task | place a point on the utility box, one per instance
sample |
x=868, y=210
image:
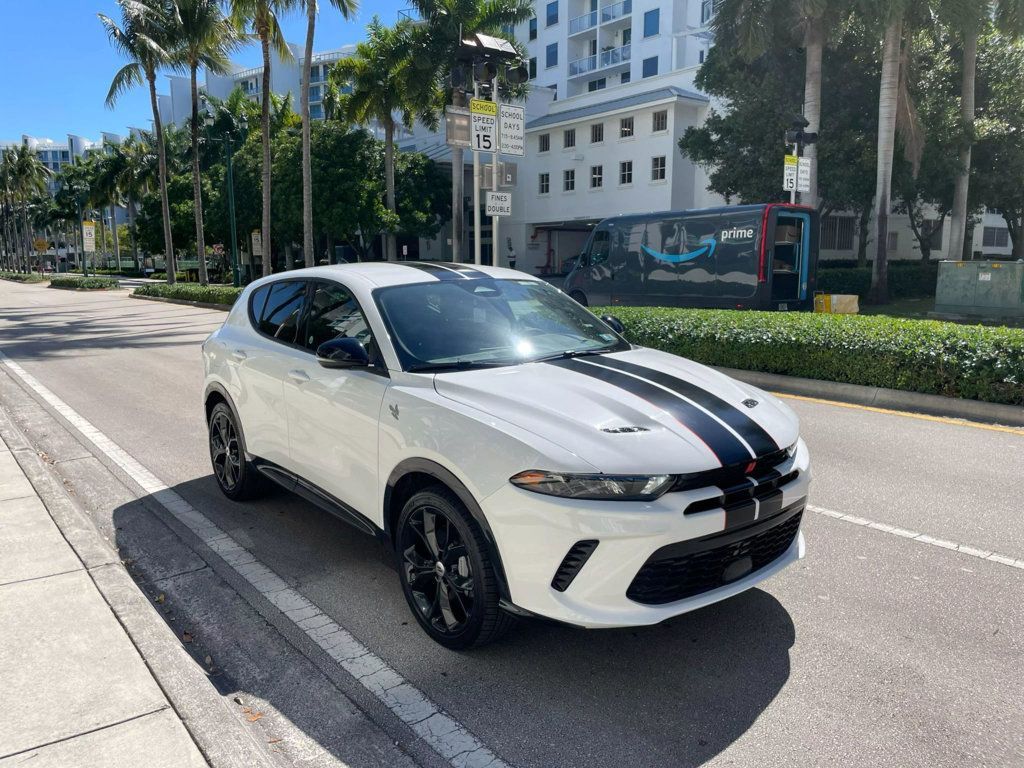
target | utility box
x=982, y=288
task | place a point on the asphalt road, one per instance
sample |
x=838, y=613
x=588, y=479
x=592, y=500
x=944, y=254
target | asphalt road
x=875, y=649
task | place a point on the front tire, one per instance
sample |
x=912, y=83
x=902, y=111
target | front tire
x=579, y=297
x=446, y=572
x=236, y=477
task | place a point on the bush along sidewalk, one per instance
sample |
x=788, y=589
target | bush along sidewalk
x=973, y=362
x=83, y=283
x=224, y=295
x=914, y=281
x=23, y=277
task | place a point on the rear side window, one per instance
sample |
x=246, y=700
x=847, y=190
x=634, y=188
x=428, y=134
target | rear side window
x=282, y=312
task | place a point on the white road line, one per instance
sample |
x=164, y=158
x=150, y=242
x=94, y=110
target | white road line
x=963, y=549
x=449, y=738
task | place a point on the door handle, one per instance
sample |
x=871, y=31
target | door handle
x=298, y=376
x=239, y=354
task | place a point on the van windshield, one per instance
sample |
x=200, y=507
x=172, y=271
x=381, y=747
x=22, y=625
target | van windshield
x=456, y=324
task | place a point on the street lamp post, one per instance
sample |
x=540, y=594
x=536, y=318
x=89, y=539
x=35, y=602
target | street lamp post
x=229, y=172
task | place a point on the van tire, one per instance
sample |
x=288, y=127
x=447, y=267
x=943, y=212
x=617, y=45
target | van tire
x=579, y=297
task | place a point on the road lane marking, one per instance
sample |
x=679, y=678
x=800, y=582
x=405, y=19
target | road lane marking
x=963, y=549
x=908, y=414
x=443, y=733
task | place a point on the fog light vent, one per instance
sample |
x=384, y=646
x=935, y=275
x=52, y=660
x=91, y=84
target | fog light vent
x=571, y=564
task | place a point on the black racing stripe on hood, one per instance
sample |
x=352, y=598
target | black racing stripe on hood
x=755, y=435
x=463, y=269
x=439, y=272
x=718, y=439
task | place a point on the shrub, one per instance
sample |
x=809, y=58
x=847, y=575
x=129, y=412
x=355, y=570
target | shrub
x=909, y=281
x=23, y=277
x=207, y=294
x=83, y=283
x=974, y=362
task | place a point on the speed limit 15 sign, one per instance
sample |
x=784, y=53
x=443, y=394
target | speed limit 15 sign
x=484, y=121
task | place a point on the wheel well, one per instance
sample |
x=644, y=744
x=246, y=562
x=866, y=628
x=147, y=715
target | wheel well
x=211, y=400
x=579, y=297
x=407, y=486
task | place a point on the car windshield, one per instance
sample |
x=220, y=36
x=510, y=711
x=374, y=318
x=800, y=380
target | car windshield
x=470, y=323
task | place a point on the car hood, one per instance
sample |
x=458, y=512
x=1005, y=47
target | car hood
x=638, y=411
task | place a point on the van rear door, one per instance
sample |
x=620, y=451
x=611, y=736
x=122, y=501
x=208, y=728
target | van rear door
x=791, y=257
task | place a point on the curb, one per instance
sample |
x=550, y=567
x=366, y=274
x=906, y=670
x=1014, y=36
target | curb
x=209, y=720
x=879, y=397
x=186, y=302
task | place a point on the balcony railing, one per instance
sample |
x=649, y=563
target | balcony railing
x=601, y=60
x=616, y=11
x=582, y=23
x=582, y=66
x=708, y=9
x=614, y=56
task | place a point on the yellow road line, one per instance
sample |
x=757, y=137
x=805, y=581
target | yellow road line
x=908, y=414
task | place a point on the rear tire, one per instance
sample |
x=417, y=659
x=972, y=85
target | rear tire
x=236, y=477
x=446, y=572
x=579, y=297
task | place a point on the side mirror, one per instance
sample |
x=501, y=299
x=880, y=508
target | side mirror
x=583, y=261
x=342, y=353
x=614, y=323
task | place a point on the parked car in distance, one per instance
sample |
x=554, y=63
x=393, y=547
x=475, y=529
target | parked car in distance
x=514, y=452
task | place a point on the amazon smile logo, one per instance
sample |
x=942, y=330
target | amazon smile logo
x=706, y=249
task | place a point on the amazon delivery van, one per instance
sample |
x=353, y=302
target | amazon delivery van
x=736, y=257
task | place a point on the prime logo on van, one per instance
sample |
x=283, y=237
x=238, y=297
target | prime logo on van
x=737, y=234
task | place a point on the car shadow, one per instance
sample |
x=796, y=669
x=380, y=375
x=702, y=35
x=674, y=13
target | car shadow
x=675, y=694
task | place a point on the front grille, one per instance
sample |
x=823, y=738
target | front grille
x=573, y=561
x=725, y=477
x=690, y=568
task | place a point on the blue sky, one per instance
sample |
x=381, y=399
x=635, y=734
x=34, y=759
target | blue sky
x=56, y=64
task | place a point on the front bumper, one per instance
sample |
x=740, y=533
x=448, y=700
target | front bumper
x=535, y=532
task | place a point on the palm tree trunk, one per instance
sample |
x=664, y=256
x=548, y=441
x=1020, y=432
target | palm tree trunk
x=197, y=185
x=131, y=232
x=957, y=225
x=887, y=99
x=268, y=266
x=814, y=43
x=390, y=251
x=113, y=234
x=26, y=235
x=165, y=206
x=307, y=155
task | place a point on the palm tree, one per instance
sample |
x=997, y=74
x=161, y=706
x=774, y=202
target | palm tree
x=757, y=26
x=435, y=45
x=379, y=76
x=260, y=18
x=7, y=208
x=144, y=39
x=347, y=8
x=970, y=18
x=204, y=39
x=134, y=159
x=30, y=177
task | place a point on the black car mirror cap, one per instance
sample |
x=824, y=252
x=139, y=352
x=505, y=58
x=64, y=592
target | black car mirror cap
x=614, y=323
x=344, y=352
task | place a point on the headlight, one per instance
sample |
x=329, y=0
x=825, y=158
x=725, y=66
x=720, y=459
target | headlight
x=604, y=487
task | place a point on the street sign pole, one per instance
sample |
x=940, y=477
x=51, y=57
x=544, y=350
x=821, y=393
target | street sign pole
x=495, y=220
x=476, y=191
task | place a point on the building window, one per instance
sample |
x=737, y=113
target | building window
x=569, y=180
x=658, y=168
x=597, y=133
x=316, y=111
x=995, y=237
x=314, y=95
x=596, y=85
x=544, y=142
x=650, y=67
x=596, y=176
x=701, y=55
x=837, y=233
x=625, y=128
x=569, y=138
x=626, y=77
x=533, y=67
x=894, y=241
x=551, y=56
x=554, y=91
x=552, y=15
x=626, y=172
x=544, y=183
x=652, y=22
x=533, y=28
x=660, y=121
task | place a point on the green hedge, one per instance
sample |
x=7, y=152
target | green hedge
x=83, y=283
x=208, y=294
x=127, y=272
x=974, y=362
x=23, y=277
x=906, y=282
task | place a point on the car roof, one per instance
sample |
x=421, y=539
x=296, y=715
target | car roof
x=382, y=273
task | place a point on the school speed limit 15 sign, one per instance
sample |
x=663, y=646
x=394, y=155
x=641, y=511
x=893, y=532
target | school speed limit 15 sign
x=484, y=120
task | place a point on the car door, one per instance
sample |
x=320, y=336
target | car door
x=262, y=363
x=333, y=414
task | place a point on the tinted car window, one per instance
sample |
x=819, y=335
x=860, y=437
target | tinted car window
x=283, y=311
x=334, y=313
x=257, y=303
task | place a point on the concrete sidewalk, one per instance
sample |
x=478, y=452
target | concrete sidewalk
x=75, y=691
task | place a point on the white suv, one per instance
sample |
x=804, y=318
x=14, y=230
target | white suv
x=516, y=454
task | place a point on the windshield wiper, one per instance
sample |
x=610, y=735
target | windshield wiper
x=570, y=353
x=456, y=365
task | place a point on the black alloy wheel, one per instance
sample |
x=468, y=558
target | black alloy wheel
x=447, y=577
x=237, y=478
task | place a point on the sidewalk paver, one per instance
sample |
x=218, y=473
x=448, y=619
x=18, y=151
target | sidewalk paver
x=75, y=690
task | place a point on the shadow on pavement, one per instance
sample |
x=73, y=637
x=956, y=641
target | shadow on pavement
x=676, y=694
